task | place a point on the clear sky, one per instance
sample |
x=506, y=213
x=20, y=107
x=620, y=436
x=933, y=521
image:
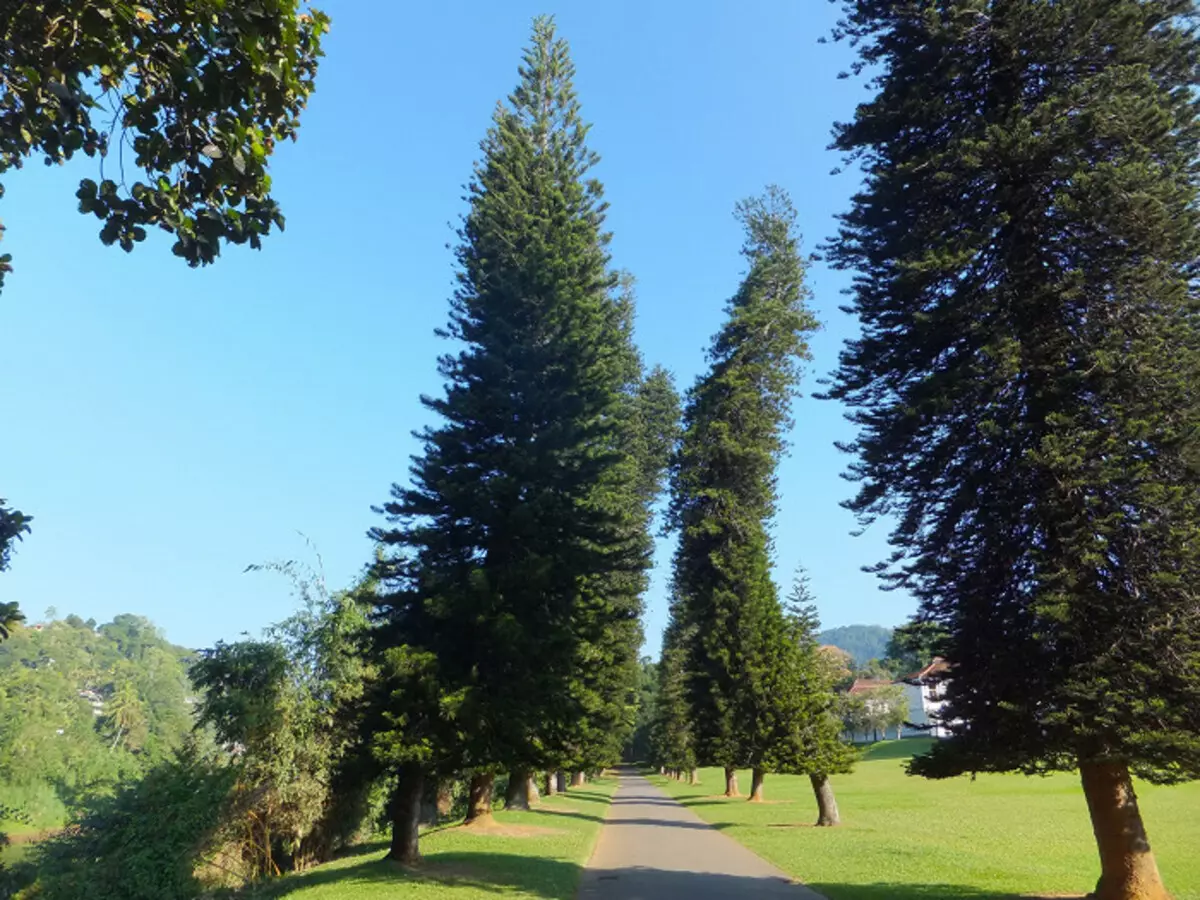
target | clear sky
x=168, y=426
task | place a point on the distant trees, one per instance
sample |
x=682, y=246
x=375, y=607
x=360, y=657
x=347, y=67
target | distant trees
x=1025, y=250
x=79, y=715
x=914, y=645
x=862, y=642
x=511, y=587
x=870, y=714
x=194, y=98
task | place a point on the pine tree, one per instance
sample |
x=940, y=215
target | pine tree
x=673, y=742
x=610, y=609
x=516, y=518
x=804, y=729
x=723, y=493
x=1026, y=246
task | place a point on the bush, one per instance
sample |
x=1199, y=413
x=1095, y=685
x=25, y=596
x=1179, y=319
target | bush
x=147, y=842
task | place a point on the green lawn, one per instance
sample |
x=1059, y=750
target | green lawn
x=538, y=854
x=903, y=838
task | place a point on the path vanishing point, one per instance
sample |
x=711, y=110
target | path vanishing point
x=652, y=848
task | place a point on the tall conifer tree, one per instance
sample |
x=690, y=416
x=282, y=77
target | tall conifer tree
x=723, y=492
x=1025, y=384
x=517, y=511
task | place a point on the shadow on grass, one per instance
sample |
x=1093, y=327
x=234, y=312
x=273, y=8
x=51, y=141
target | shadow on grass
x=583, y=795
x=548, y=879
x=493, y=873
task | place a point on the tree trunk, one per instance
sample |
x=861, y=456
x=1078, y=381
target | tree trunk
x=551, y=784
x=578, y=779
x=694, y=777
x=731, y=787
x=445, y=799
x=827, y=811
x=406, y=816
x=518, y=794
x=561, y=777
x=756, y=786
x=479, y=801
x=1127, y=867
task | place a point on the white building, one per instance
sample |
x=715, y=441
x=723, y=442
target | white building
x=926, y=693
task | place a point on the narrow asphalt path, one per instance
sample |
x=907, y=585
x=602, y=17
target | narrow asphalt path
x=653, y=848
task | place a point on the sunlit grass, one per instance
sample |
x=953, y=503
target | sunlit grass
x=997, y=836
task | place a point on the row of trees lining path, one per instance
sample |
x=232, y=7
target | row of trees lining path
x=1025, y=249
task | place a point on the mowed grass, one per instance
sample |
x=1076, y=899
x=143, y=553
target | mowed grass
x=537, y=854
x=904, y=838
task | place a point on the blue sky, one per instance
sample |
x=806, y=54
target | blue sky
x=166, y=427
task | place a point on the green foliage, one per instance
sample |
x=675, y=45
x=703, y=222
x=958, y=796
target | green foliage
x=799, y=725
x=862, y=642
x=81, y=710
x=283, y=708
x=1026, y=244
x=914, y=645
x=869, y=715
x=146, y=842
x=640, y=745
x=515, y=562
x=194, y=96
x=14, y=525
x=673, y=738
x=726, y=617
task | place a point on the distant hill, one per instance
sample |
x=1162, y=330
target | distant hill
x=83, y=708
x=863, y=642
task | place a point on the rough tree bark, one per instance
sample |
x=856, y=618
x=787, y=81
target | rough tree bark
x=551, y=784
x=756, y=786
x=694, y=777
x=561, y=777
x=522, y=792
x=1127, y=867
x=731, y=785
x=406, y=816
x=827, y=810
x=578, y=779
x=479, y=799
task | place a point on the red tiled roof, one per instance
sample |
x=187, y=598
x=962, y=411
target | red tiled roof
x=866, y=685
x=936, y=667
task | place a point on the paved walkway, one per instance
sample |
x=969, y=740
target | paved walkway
x=652, y=848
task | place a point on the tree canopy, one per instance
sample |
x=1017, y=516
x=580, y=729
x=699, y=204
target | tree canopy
x=1025, y=250
x=181, y=103
x=727, y=609
x=511, y=587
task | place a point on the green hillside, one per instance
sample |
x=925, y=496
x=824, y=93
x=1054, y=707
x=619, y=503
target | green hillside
x=863, y=642
x=83, y=707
